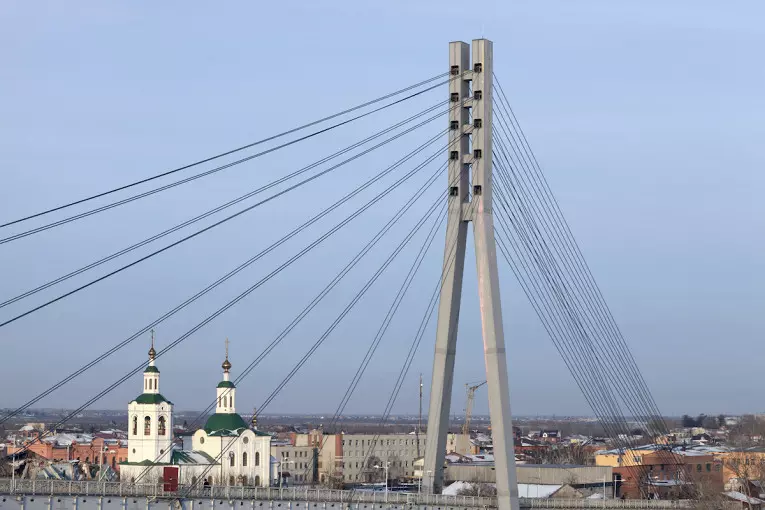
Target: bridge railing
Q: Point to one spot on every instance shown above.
(118, 489)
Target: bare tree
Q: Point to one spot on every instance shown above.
(478, 489)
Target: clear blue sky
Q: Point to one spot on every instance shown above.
(646, 116)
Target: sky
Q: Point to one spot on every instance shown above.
(646, 117)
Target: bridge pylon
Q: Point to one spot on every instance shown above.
(470, 200)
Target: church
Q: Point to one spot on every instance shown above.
(226, 451)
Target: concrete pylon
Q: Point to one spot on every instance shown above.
(472, 148)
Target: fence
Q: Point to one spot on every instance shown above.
(303, 494)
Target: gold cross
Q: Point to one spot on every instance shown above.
(226, 347)
(152, 337)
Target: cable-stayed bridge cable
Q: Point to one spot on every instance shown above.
(630, 366)
(188, 179)
(212, 211)
(331, 285)
(220, 222)
(347, 309)
(242, 295)
(232, 273)
(353, 302)
(243, 147)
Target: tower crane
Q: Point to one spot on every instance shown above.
(470, 389)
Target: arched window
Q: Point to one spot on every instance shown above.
(257, 480)
(232, 459)
(231, 480)
(244, 459)
(244, 480)
(218, 401)
(146, 384)
(114, 462)
(161, 426)
(135, 425)
(257, 459)
(147, 426)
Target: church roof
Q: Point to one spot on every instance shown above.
(151, 370)
(226, 384)
(191, 457)
(225, 424)
(150, 398)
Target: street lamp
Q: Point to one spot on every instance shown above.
(385, 467)
(280, 470)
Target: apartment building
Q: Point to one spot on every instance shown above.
(366, 456)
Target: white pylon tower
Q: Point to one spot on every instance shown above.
(470, 148)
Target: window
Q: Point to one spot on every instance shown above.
(232, 459)
(244, 459)
(201, 440)
(231, 480)
(257, 480)
(245, 439)
(257, 461)
(709, 468)
(135, 425)
(161, 426)
(218, 401)
(146, 426)
(698, 467)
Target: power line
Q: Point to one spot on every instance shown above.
(212, 211)
(230, 274)
(220, 222)
(238, 149)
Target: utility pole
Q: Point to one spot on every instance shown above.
(419, 421)
(471, 147)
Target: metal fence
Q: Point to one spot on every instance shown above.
(305, 494)
(117, 489)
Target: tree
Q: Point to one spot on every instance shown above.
(479, 489)
(721, 421)
(688, 421)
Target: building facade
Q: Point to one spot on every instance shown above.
(226, 451)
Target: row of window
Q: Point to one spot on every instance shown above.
(386, 442)
(232, 480)
(150, 384)
(161, 426)
(298, 453)
(362, 477)
(232, 459)
(378, 453)
(227, 401)
(394, 463)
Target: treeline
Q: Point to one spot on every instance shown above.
(702, 420)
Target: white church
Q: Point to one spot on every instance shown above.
(226, 451)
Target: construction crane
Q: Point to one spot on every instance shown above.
(469, 406)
